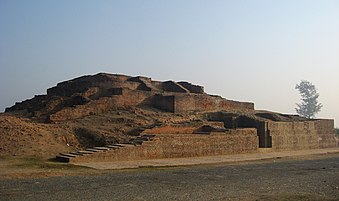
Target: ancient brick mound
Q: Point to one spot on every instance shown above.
(110, 117)
(99, 93)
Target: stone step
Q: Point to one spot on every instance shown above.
(127, 143)
(85, 152)
(92, 150)
(63, 159)
(102, 148)
(119, 145)
(142, 138)
(69, 155)
(76, 153)
(124, 145)
(113, 146)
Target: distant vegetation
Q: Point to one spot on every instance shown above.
(309, 106)
(337, 131)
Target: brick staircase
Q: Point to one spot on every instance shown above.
(102, 152)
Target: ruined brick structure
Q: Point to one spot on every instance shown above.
(102, 92)
(218, 126)
(282, 132)
(174, 146)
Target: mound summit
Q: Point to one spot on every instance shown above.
(103, 92)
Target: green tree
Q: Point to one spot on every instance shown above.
(309, 105)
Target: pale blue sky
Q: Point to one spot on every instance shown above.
(247, 50)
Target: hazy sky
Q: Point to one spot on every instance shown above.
(254, 50)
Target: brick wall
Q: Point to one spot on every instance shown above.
(326, 133)
(191, 145)
(201, 102)
(302, 135)
(183, 145)
(165, 103)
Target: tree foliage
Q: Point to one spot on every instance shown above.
(309, 105)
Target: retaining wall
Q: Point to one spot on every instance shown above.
(201, 102)
(182, 145)
(302, 135)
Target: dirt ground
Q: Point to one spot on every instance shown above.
(312, 178)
